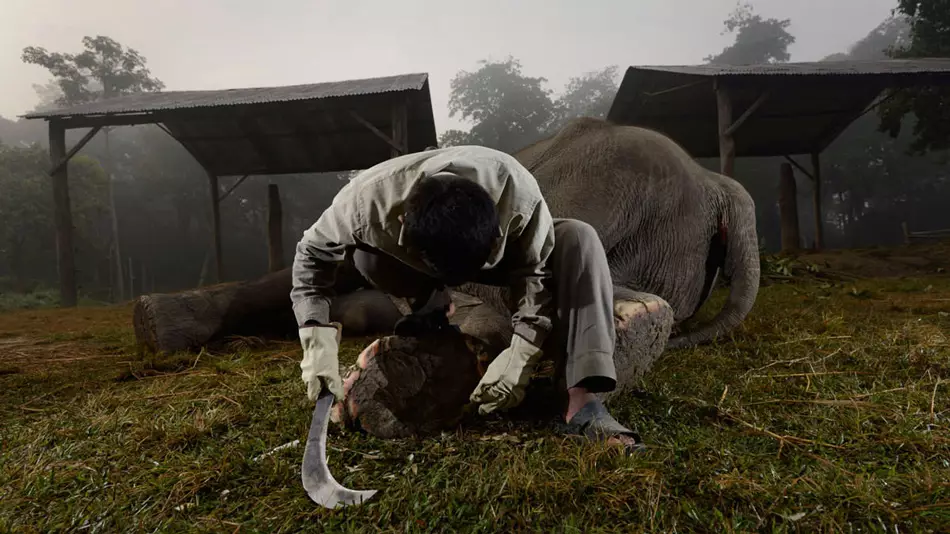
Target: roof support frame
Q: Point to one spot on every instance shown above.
(358, 118)
(763, 96)
(74, 150)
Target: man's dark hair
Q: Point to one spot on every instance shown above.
(453, 223)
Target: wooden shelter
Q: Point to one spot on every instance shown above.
(324, 127)
(781, 109)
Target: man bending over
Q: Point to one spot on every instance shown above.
(421, 223)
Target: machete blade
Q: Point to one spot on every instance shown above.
(320, 485)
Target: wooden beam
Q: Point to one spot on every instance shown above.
(375, 130)
(799, 166)
(72, 152)
(673, 89)
(816, 198)
(275, 232)
(216, 227)
(748, 113)
(727, 145)
(400, 120)
(788, 209)
(72, 123)
(233, 187)
(65, 259)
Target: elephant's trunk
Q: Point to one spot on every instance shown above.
(741, 267)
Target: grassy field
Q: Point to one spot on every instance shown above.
(827, 411)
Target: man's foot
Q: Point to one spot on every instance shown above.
(592, 421)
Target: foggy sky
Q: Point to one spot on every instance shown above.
(216, 44)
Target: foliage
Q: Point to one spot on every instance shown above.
(589, 95)
(758, 40)
(508, 108)
(929, 37)
(27, 231)
(103, 70)
(826, 411)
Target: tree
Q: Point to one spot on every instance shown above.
(589, 95)
(26, 215)
(758, 40)
(105, 69)
(929, 36)
(509, 110)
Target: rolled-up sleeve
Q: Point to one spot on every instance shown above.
(320, 253)
(532, 303)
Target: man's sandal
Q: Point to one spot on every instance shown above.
(594, 422)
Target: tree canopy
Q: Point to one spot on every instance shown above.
(103, 70)
(510, 110)
(757, 40)
(929, 36)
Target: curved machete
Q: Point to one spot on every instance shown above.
(321, 487)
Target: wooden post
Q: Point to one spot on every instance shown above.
(65, 259)
(727, 144)
(788, 208)
(275, 232)
(216, 227)
(131, 280)
(400, 120)
(819, 226)
(906, 233)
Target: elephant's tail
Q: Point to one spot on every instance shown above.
(741, 267)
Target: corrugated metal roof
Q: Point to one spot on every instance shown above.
(173, 100)
(808, 106)
(276, 130)
(817, 68)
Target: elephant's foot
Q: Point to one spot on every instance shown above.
(643, 324)
(403, 386)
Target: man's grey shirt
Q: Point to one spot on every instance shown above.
(365, 213)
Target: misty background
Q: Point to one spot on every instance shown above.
(500, 81)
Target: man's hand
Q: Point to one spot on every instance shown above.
(503, 386)
(320, 367)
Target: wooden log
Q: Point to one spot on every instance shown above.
(65, 256)
(189, 320)
(788, 208)
(275, 232)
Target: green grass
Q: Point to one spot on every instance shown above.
(827, 411)
(38, 299)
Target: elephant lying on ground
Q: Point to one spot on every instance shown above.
(669, 226)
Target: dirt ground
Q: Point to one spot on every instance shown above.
(910, 260)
